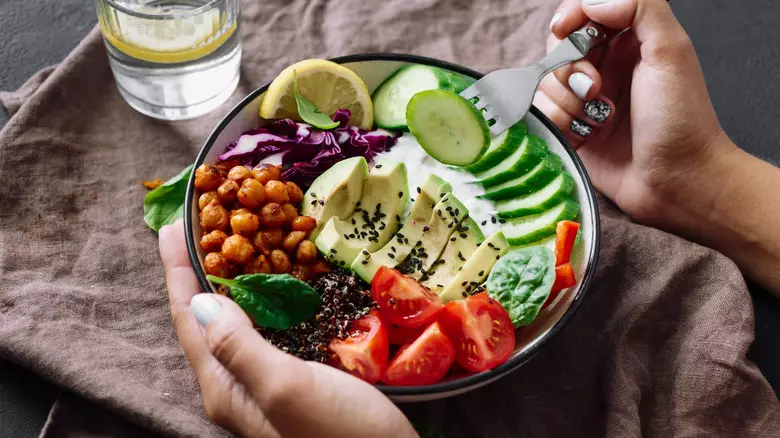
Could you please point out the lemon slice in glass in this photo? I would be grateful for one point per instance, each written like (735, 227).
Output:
(328, 85)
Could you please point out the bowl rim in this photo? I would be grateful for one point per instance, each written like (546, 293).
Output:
(478, 379)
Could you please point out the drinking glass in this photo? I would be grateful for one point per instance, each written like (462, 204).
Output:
(172, 59)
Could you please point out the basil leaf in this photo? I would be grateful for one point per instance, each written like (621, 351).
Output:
(165, 204)
(309, 111)
(521, 281)
(277, 301)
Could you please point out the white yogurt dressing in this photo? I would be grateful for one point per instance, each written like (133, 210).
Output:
(419, 165)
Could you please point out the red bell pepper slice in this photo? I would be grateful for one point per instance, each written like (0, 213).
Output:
(564, 279)
(565, 236)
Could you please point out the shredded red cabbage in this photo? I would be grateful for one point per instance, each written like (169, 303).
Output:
(306, 151)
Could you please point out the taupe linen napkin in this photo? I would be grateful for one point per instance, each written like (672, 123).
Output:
(658, 347)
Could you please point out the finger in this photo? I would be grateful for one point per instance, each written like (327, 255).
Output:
(597, 110)
(581, 76)
(563, 120)
(567, 18)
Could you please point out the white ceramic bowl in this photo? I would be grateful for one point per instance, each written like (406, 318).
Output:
(373, 69)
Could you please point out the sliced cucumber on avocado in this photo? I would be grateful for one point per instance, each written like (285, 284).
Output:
(531, 229)
(500, 148)
(448, 127)
(535, 179)
(532, 151)
(549, 196)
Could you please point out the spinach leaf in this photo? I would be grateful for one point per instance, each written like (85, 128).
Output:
(521, 281)
(309, 111)
(273, 300)
(165, 204)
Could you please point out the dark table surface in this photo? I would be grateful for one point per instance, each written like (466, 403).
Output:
(736, 42)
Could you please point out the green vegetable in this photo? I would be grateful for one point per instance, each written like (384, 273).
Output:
(165, 204)
(427, 431)
(521, 281)
(272, 300)
(309, 111)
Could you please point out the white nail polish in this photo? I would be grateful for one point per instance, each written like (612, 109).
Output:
(580, 83)
(555, 18)
(596, 2)
(205, 307)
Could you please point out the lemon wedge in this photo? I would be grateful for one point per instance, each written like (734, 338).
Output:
(328, 85)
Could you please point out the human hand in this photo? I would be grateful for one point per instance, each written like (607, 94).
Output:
(656, 131)
(252, 388)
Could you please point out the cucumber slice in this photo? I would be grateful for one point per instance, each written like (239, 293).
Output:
(549, 196)
(448, 127)
(533, 228)
(458, 82)
(500, 148)
(529, 154)
(393, 95)
(538, 177)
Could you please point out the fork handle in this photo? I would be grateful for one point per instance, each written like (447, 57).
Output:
(573, 48)
(588, 37)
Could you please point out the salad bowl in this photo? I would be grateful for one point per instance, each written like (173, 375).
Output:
(373, 69)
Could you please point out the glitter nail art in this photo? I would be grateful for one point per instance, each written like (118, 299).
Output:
(581, 128)
(597, 110)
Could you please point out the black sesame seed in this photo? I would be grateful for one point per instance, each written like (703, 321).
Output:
(426, 228)
(490, 244)
(462, 235)
(419, 242)
(464, 283)
(354, 221)
(391, 301)
(391, 255)
(392, 248)
(418, 190)
(314, 202)
(502, 221)
(457, 211)
(333, 250)
(481, 273)
(452, 239)
(490, 301)
(378, 166)
(365, 262)
(440, 285)
(441, 195)
(498, 257)
(450, 225)
(357, 204)
(465, 294)
(439, 212)
(321, 202)
(400, 194)
(365, 252)
(493, 219)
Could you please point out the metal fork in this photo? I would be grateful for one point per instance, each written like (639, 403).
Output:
(505, 96)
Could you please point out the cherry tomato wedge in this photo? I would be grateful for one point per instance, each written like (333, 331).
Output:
(480, 330)
(423, 362)
(398, 335)
(403, 300)
(565, 236)
(364, 353)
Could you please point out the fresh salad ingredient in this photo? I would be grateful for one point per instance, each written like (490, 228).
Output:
(272, 301)
(375, 219)
(476, 269)
(531, 152)
(448, 127)
(329, 86)
(501, 147)
(365, 351)
(424, 361)
(564, 277)
(309, 111)
(392, 96)
(535, 179)
(546, 198)
(531, 229)
(462, 244)
(336, 192)
(305, 152)
(565, 238)
(521, 281)
(401, 335)
(402, 300)
(165, 204)
(480, 331)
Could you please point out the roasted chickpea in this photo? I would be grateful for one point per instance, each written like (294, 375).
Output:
(275, 192)
(290, 213)
(261, 243)
(293, 192)
(320, 267)
(299, 271)
(241, 210)
(245, 223)
(212, 242)
(306, 251)
(207, 178)
(238, 249)
(251, 194)
(292, 240)
(214, 217)
(274, 237)
(304, 223)
(280, 262)
(260, 265)
(217, 265)
(227, 191)
(265, 173)
(225, 166)
(272, 216)
(206, 198)
(239, 174)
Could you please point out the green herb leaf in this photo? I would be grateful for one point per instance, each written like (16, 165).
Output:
(309, 111)
(165, 204)
(277, 301)
(521, 281)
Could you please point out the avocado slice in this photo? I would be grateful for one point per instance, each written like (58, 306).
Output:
(367, 263)
(462, 244)
(335, 192)
(477, 267)
(375, 217)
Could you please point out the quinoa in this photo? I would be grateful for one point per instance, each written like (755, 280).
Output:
(344, 298)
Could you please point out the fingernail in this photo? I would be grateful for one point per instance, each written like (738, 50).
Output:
(580, 84)
(205, 307)
(581, 128)
(556, 18)
(596, 2)
(597, 110)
